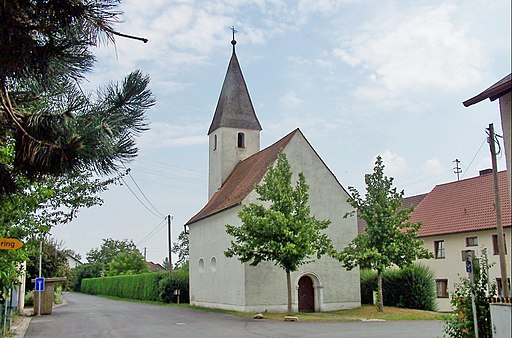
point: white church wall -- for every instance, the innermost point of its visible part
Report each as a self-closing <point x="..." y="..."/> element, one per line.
<point x="337" y="289"/>
<point x="219" y="282"/>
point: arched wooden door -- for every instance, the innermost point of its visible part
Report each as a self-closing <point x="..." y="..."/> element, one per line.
<point x="306" y="295"/>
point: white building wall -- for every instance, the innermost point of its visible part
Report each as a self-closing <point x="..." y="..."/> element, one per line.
<point x="218" y="284"/>
<point x="225" y="155"/>
<point x="338" y="289"/>
<point x="506" y="126"/>
<point x="453" y="268"/>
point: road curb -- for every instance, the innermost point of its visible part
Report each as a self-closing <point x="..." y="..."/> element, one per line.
<point x="21" y="327"/>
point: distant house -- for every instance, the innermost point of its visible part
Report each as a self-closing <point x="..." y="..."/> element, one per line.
<point x="236" y="165"/>
<point x="155" y="267"/>
<point x="460" y="216"/>
<point x="73" y="261"/>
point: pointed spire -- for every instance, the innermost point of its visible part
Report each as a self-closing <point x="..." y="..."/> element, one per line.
<point x="234" y="108"/>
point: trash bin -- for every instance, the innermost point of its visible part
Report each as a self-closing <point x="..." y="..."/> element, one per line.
<point x="46" y="296"/>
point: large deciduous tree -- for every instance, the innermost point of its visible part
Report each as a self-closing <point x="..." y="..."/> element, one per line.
<point x="281" y="229"/>
<point x="389" y="237"/>
<point x="181" y="249"/>
<point x="109" y="250"/>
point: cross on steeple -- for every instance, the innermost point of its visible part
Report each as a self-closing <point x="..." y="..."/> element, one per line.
<point x="233" y="30"/>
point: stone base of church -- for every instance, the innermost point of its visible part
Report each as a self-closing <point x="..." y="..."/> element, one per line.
<point x="274" y="308"/>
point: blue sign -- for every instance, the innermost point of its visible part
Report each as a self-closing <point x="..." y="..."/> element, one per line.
<point x="39" y="284"/>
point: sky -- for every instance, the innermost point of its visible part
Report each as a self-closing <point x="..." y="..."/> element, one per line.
<point x="359" y="78"/>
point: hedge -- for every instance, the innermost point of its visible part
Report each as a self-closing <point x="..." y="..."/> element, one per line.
<point x="412" y="287"/>
<point x="146" y="286"/>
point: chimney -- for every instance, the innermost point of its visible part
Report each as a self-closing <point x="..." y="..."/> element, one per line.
<point x="485" y="172"/>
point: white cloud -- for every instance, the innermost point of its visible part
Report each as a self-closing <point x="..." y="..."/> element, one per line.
<point x="394" y="164"/>
<point x="433" y="167"/>
<point x="412" y="50"/>
<point x="166" y="135"/>
<point x="291" y="100"/>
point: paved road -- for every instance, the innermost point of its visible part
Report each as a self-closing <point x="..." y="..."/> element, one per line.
<point x="90" y="316"/>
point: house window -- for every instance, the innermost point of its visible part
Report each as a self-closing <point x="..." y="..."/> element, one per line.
<point x="472" y="241"/>
<point x="495" y="247"/>
<point x="241" y="140"/>
<point x="439" y="249"/>
<point x="499" y="286"/>
<point x="214" y="142"/>
<point x="441" y="288"/>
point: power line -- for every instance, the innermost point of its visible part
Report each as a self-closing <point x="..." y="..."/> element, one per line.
<point x="153" y="232"/>
<point x="476" y="154"/>
<point x="143" y="194"/>
<point x="137" y="197"/>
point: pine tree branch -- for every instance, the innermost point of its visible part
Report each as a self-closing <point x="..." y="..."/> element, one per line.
<point x="7" y="105"/>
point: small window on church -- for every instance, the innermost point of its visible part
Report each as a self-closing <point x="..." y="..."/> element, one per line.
<point x="241" y="140"/>
<point x="214" y="142"/>
<point x="201" y="265"/>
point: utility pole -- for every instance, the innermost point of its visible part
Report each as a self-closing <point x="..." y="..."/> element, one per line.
<point x="144" y="253"/>
<point x="457" y="170"/>
<point x="499" y="226"/>
<point x="169" y="223"/>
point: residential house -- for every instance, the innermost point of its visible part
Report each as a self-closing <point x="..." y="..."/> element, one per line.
<point x="460" y="216"/>
<point x="73" y="261"/>
<point x="236" y="165"/>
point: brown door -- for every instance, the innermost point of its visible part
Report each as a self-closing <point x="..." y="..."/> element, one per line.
<point x="306" y="295"/>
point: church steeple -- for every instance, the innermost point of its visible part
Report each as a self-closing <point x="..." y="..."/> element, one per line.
<point x="234" y="108"/>
<point x="234" y="133"/>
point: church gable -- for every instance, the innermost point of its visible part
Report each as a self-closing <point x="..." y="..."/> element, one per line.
<point x="242" y="180"/>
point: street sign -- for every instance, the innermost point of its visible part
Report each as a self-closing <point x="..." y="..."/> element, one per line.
<point x="39" y="284"/>
<point x="10" y="244"/>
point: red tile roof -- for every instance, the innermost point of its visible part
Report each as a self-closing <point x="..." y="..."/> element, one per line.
<point x="242" y="180"/>
<point x="466" y="205"/>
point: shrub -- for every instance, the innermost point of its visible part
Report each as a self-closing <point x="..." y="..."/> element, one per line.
<point x="368" y="285"/>
<point x="179" y="281"/>
<point x="29" y="298"/>
<point x="412" y="287"/>
<point x="460" y="324"/>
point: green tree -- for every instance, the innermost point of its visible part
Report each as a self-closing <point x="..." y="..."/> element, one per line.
<point x="180" y="248"/>
<point x="127" y="263"/>
<point x="389" y="238"/>
<point x="108" y="251"/>
<point x="29" y="214"/>
<point x="88" y="270"/>
<point x="56" y="128"/>
<point x="49" y="127"/>
<point x="54" y="263"/>
<point x="285" y="232"/>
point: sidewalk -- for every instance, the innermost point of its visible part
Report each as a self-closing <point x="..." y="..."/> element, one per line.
<point x="19" y="328"/>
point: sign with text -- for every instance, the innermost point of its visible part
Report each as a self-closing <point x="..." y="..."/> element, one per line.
<point x="10" y="244"/>
<point x="39" y="284"/>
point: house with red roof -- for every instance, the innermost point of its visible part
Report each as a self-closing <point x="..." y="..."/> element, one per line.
<point x="236" y="165"/>
<point x="460" y="216"/>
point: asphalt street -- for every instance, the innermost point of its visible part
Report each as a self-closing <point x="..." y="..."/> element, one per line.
<point x="91" y="316"/>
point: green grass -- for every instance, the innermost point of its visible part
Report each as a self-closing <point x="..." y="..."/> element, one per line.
<point x="365" y="312"/>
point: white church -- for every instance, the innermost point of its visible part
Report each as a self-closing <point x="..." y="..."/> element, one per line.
<point x="236" y="165"/>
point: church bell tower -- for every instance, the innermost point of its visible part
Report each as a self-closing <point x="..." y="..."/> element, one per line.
<point x="234" y="133"/>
